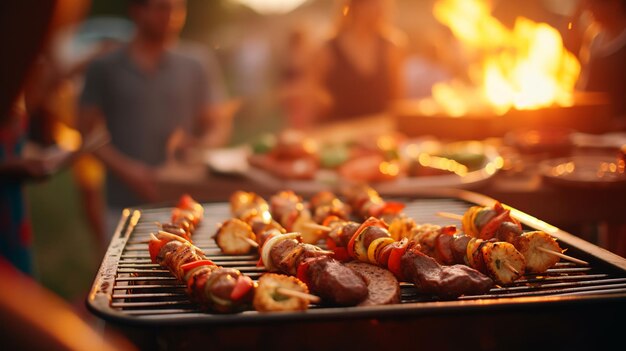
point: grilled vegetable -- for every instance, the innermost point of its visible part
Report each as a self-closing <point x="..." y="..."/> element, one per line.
<point x="503" y="261"/>
<point x="231" y="237"/>
<point x="286" y="253"/>
<point x="268" y="297"/>
<point x="530" y="244"/>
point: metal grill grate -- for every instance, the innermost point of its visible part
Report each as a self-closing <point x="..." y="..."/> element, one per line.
<point x="139" y="289"/>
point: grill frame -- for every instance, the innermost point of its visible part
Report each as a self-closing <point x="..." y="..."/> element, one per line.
<point x="100" y="300"/>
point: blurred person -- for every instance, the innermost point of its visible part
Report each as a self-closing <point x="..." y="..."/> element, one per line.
<point x="149" y="93"/>
<point x="56" y="121"/>
<point x="295" y="86"/>
<point x="21" y="93"/>
<point x="31" y="317"/>
<point x="603" y="55"/>
<point x="359" y="68"/>
<point x="16" y="233"/>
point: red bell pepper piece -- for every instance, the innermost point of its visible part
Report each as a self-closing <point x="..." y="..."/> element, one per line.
<point x="370" y="222"/>
<point x="154" y="246"/>
<point x="498" y="207"/>
<point x="331" y="244"/>
<point x="389" y="208"/>
<point x="242" y="286"/>
<point x="340" y="254"/>
<point x="395" y="257"/>
<point x="330" y="219"/>
<point x="302" y="272"/>
<point x="193" y="264"/>
<point x="488" y="230"/>
<point x="185" y="202"/>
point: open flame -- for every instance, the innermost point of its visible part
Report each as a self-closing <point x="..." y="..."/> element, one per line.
<point x="523" y="68"/>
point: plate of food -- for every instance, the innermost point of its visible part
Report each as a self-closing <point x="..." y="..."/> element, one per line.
<point x="390" y="162"/>
<point x="585" y="171"/>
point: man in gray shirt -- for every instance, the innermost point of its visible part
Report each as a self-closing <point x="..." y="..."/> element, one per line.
<point x="145" y="91"/>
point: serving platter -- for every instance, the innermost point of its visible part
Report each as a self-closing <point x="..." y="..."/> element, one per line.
<point x="585" y="171"/>
<point x="487" y="163"/>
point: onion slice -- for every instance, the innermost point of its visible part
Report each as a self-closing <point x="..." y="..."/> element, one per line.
<point x="271" y="242"/>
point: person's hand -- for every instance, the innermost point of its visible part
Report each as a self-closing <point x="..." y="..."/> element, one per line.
<point x="25" y="169"/>
<point x="36" y="169"/>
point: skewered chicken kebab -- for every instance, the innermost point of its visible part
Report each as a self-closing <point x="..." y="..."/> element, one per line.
<point x="218" y="289"/>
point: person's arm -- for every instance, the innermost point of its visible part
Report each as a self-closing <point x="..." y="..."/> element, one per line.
<point x="216" y="123"/>
<point x="138" y="176"/>
<point x="23" y="169"/>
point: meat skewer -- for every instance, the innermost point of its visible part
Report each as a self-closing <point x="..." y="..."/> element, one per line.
<point x="214" y="288"/>
<point x="368" y="242"/>
<point x="286" y="253"/>
<point x="540" y="250"/>
<point x="496" y="221"/>
<point x="218" y="289"/>
<point x="366" y="202"/>
<point x="453" y="281"/>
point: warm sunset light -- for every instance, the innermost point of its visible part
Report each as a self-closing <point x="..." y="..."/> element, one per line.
<point x="272" y="6"/>
<point x="523" y="68"/>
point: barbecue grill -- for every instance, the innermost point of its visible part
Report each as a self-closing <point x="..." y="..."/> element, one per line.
<point x="570" y="304"/>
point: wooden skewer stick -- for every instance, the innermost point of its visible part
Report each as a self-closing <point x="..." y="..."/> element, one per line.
<point x="248" y="240"/>
<point x="450" y="215"/>
<point x="312" y="225"/>
<point x="563" y="256"/>
<point x="326" y="252"/>
<point x="508" y="265"/>
<point x="298" y="295"/>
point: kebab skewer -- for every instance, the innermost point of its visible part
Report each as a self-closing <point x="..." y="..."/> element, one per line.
<point x="373" y="240"/>
<point x="434" y="278"/>
<point x="215" y="288"/>
<point x="286" y="253"/>
<point x="500" y="261"/>
<point x="540" y="249"/>
<point x="223" y="290"/>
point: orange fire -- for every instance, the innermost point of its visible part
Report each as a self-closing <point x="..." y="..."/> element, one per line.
<point x="523" y="68"/>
